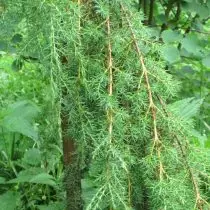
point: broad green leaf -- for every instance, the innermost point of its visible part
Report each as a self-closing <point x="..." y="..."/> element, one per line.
<point x="34" y="175"/>
<point x="198" y="25"/>
<point x="53" y="206"/>
<point x="194" y="6"/>
<point x="203" y="11"/>
<point x="171" y="54"/>
<point x="27" y="109"/>
<point x="43" y="178"/>
<point x="32" y="157"/>
<point x="161" y="18"/>
<point x="9" y="200"/>
<point x="206" y="61"/>
<point x="17" y="38"/>
<point x="191" y="43"/>
<point x="154" y="32"/>
<point x="26" y="175"/>
<point x="169" y="36"/>
<point x="20" y="125"/>
<point x="186" y="108"/>
<point x="190" y="5"/>
<point x="19" y="118"/>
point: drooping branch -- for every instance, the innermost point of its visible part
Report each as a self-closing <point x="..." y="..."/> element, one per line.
<point x="110" y="85"/>
<point x="156" y="143"/>
<point x="110" y="93"/>
<point x="199" y="200"/>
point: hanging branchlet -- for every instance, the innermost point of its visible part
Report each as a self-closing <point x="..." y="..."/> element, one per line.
<point x="110" y="85"/>
<point x="112" y="73"/>
<point x="199" y="201"/>
<point x="157" y="142"/>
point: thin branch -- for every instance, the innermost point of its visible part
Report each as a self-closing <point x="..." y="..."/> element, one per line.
<point x="110" y="86"/>
<point x="199" y="200"/>
<point x="157" y="143"/>
<point x="110" y="111"/>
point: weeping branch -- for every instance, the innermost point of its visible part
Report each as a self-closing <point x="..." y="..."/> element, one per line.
<point x="156" y="143"/>
<point x="199" y="200"/>
<point x="110" y="86"/>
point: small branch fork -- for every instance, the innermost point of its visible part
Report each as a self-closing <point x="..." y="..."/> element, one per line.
<point x="199" y="200"/>
<point x="156" y="143"/>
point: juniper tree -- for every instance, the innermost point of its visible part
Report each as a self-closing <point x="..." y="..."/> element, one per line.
<point x="129" y="146"/>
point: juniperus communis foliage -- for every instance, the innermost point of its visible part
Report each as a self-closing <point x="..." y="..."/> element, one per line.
<point x="133" y="147"/>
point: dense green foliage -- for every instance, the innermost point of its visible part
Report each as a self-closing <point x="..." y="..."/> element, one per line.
<point x="119" y="84"/>
<point x="184" y="27"/>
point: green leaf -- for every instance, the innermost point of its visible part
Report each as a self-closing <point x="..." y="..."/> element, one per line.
<point x="206" y="61"/>
<point x="32" y="157"/>
<point x="19" y="117"/>
<point x="198" y="25"/>
<point x="154" y="32"/>
<point x="191" y="43"/>
<point x="27" y="109"/>
<point x="26" y="175"/>
<point x="169" y="36"/>
<point x="17" y="64"/>
<point x="207" y="144"/>
<point x="201" y="138"/>
<point x="34" y="175"/>
<point x="9" y="200"/>
<point x="186" y="108"/>
<point x="43" y="178"/>
<point x="2" y="180"/>
<point x="171" y="54"/>
<point x="195" y="6"/>
<point x="203" y="11"/>
<point x="53" y="206"/>
<point x="17" y="38"/>
<point x="161" y="18"/>
<point x="3" y="45"/>
<point x="88" y="190"/>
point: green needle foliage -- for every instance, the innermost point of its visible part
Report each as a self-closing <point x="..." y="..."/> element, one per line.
<point x="106" y="71"/>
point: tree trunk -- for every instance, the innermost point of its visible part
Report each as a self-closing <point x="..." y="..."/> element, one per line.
<point x="72" y="177"/>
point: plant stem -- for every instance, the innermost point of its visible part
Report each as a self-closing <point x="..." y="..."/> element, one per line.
<point x="156" y="143"/>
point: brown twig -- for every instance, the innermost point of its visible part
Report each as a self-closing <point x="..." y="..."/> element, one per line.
<point x="199" y="200"/>
<point x="157" y="143"/>
<point x="110" y="86"/>
<point x="110" y="92"/>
